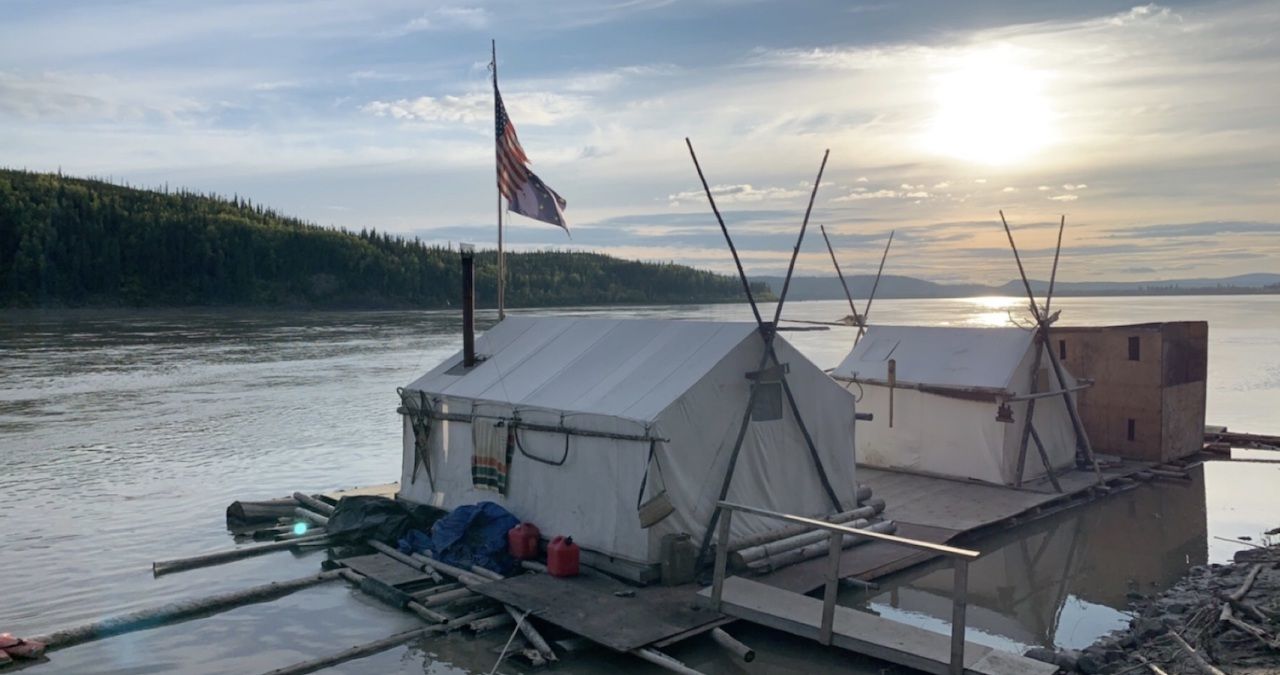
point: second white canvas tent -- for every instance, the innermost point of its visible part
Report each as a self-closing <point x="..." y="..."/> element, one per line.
<point x="682" y="382"/>
<point x="950" y="384"/>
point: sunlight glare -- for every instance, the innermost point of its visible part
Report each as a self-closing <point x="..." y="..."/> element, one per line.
<point x="991" y="109"/>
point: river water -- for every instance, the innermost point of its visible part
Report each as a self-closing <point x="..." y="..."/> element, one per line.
<point x="124" y="435"/>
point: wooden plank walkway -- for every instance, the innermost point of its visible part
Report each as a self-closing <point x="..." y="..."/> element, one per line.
<point x="603" y="610"/>
<point x="866" y="633"/>
<point x="941" y="510"/>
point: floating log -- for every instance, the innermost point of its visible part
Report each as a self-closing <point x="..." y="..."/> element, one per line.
<point x="446" y="597"/>
<point x="531" y="634"/>
<point x="178" y="611"/>
<point x="796" y="555"/>
<point x="472" y="579"/>
<point x="368" y="649"/>
<point x="314" y="504"/>
<point x="240" y="514"/>
<point x="659" y="659"/>
<point x="468" y="578"/>
<point x="746" y="556"/>
<point x="169" y="566"/>
<point x="735" y="647"/>
<point x="434" y="590"/>
<point x="394" y="596"/>
<point x="850" y="582"/>
<point x="491" y="623"/>
<point x="395" y="554"/>
<point x="310" y="516"/>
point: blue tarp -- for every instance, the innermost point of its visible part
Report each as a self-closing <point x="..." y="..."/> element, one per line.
<point x="475" y="534"/>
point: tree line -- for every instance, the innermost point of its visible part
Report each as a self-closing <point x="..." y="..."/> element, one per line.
<point x="79" y="242"/>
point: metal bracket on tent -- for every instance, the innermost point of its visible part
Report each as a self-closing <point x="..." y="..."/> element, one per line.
<point x="1004" y="413"/>
<point x="773" y="373"/>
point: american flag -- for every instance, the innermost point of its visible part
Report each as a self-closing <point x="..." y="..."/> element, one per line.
<point x="526" y="193"/>
<point x="511" y="157"/>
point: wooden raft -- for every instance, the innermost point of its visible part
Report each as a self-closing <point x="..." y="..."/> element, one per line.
<point x="943" y="510"/>
<point x="866" y="633"/>
<point x="591" y="606"/>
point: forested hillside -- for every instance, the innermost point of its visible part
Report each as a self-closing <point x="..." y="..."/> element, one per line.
<point x="76" y="242"/>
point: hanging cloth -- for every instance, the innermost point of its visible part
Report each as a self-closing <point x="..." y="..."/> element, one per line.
<point x="658" y="507"/>
<point x="418" y="410"/>
<point x="493" y="443"/>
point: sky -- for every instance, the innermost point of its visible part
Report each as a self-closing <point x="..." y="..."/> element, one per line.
<point x="1154" y="129"/>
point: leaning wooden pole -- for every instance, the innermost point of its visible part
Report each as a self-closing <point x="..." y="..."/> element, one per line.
<point x="767" y="334"/>
<point x="371" y="648"/>
<point x="162" y="567"/>
<point x="866" y="314"/>
<point x="1042" y="323"/>
<point x="852" y="307"/>
<point x="178" y="611"/>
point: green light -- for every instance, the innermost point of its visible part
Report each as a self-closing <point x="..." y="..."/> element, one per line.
<point x="299" y="528"/>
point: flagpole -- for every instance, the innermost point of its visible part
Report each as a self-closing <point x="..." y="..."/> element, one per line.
<point x="502" y="258"/>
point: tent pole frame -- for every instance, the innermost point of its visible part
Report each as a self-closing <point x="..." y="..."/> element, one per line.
<point x="768" y="331"/>
<point x="1044" y="345"/>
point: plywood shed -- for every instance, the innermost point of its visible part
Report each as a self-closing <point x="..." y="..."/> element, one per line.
<point x="955" y="398"/>
<point x="605" y="408"/>
<point x="1148" y="397"/>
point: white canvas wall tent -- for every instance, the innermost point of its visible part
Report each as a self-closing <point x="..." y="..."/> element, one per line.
<point x="950" y="384"/>
<point x="598" y="408"/>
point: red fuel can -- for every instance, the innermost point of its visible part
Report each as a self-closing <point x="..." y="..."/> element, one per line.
<point x="562" y="557"/>
<point x="522" y="541"/>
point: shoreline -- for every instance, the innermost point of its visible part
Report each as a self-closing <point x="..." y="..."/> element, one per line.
<point x="1223" y="616"/>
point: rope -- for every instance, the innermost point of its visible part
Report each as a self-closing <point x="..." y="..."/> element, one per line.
<point x="507" y="646"/>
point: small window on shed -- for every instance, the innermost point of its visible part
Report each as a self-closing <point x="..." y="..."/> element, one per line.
<point x="1062" y="349"/>
<point x="1132" y="432"/>
<point x="1135" y="349"/>
<point x="768" y="403"/>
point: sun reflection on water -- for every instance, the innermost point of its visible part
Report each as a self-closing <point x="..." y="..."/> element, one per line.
<point x="992" y="310"/>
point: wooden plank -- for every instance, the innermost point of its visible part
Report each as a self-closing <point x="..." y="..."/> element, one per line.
<point x="589" y="606"/>
<point x="388" y="490"/>
<point x="867" y="634"/>
<point x="386" y="569"/>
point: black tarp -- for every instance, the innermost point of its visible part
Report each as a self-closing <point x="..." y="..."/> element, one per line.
<point x="362" y="517"/>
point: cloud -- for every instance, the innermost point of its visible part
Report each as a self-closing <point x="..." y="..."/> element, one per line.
<point x="445" y="18"/>
<point x="1201" y="229"/>
<point x="1010" y="189"/>
<point x="907" y="192"/>
<point x="534" y="108"/>
<point x="860" y="179"/>
<point x="743" y="192"/>
<point x="1064" y="198"/>
<point x="1077" y="186"/>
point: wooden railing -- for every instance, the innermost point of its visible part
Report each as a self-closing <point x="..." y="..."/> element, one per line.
<point x="960" y="559"/>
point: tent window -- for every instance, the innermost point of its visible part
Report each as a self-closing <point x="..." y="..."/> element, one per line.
<point x="1135" y="347"/>
<point x="1062" y="349"/>
<point x="768" y="403"/>
<point x="1132" y="433"/>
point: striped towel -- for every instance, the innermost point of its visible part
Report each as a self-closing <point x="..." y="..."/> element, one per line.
<point x="493" y="444"/>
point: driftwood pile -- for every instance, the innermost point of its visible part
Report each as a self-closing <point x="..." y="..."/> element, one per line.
<point x="1218" y="619"/>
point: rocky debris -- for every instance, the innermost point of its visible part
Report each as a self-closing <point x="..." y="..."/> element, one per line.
<point x="1223" y="618"/>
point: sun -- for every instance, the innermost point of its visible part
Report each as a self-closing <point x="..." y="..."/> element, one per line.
<point x="991" y="109"/>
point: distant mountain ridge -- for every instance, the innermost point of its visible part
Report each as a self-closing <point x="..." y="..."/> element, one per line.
<point x="896" y="286"/>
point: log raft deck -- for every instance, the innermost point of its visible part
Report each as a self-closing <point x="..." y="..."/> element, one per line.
<point x="926" y="508"/>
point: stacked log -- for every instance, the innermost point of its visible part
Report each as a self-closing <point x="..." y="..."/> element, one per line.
<point x="792" y="556"/>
